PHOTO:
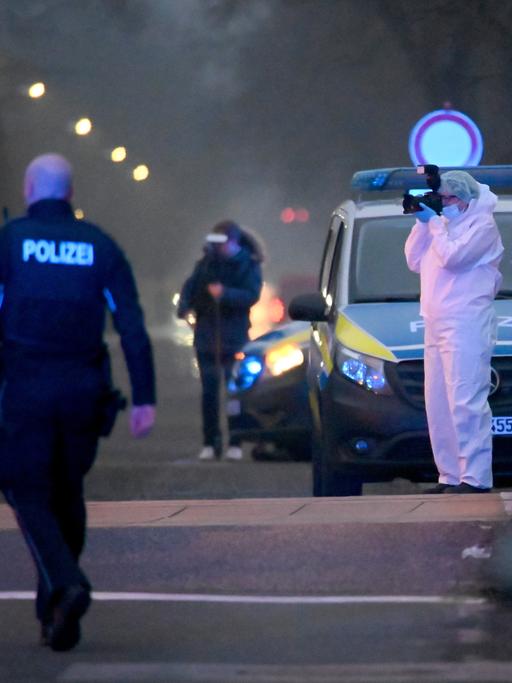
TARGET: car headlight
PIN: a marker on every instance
(367, 371)
(276, 362)
(284, 358)
(245, 373)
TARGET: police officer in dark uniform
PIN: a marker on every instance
(58, 275)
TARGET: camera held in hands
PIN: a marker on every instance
(411, 202)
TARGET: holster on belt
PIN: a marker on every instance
(112, 400)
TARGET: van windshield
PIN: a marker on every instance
(378, 269)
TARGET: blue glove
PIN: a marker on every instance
(425, 215)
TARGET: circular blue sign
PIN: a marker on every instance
(446, 138)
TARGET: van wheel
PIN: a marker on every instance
(328, 481)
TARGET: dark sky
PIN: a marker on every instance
(239, 108)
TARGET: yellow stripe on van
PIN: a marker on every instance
(322, 344)
(354, 337)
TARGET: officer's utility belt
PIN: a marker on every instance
(112, 400)
(40, 351)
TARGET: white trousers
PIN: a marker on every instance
(457, 380)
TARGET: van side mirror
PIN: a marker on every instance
(311, 307)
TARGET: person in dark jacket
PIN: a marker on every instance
(224, 285)
(57, 276)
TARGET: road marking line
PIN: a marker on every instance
(484, 671)
(267, 599)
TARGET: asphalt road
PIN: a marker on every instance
(203, 643)
(321, 603)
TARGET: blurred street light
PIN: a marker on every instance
(83, 126)
(140, 172)
(118, 154)
(36, 90)
(79, 214)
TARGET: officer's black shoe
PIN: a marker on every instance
(467, 488)
(441, 488)
(70, 607)
(72, 637)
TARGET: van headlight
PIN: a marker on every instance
(367, 371)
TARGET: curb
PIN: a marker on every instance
(492, 507)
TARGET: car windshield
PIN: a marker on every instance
(378, 269)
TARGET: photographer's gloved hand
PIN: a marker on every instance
(426, 214)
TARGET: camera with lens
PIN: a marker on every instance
(411, 202)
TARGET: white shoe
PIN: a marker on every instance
(207, 453)
(234, 453)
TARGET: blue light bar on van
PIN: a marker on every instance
(401, 179)
(380, 179)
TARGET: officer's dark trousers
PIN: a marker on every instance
(212, 372)
(50, 417)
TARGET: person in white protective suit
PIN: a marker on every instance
(457, 256)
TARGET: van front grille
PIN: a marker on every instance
(408, 379)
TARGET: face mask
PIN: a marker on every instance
(451, 211)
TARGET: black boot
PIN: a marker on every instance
(441, 488)
(467, 488)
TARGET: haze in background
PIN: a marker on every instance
(239, 108)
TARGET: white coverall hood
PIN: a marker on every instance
(486, 200)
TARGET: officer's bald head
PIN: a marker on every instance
(48, 176)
